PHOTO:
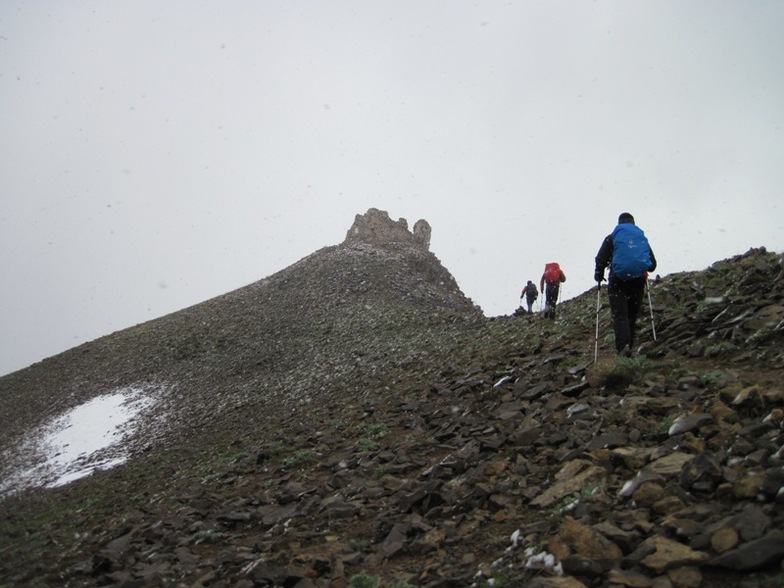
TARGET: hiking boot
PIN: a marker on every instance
(625, 352)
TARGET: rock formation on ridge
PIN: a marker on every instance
(376, 228)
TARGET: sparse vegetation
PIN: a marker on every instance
(723, 348)
(374, 430)
(662, 427)
(338, 425)
(240, 456)
(709, 380)
(365, 444)
(364, 580)
(618, 372)
(638, 364)
(300, 458)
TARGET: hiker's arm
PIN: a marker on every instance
(603, 258)
(653, 260)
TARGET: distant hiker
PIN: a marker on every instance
(627, 251)
(550, 284)
(531, 294)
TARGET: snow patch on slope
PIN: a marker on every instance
(74, 445)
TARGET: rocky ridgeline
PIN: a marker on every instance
(348, 315)
(435, 448)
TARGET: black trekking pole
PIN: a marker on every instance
(650, 305)
(598, 307)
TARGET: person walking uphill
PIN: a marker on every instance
(531, 294)
(550, 284)
(630, 257)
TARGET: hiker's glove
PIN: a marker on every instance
(598, 277)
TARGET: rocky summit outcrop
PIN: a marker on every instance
(355, 421)
(376, 228)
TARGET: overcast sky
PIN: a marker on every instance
(157, 153)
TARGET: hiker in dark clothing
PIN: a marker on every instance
(531, 294)
(627, 251)
(550, 284)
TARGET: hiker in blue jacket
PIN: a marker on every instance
(630, 257)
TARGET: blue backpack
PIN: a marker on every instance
(631, 252)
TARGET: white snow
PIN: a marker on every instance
(74, 445)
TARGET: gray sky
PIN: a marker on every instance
(157, 153)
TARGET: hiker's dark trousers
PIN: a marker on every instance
(625, 302)
(551, 298)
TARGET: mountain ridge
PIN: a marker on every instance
(380, 277)
(355, 417)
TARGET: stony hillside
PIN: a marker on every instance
(354, 420)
